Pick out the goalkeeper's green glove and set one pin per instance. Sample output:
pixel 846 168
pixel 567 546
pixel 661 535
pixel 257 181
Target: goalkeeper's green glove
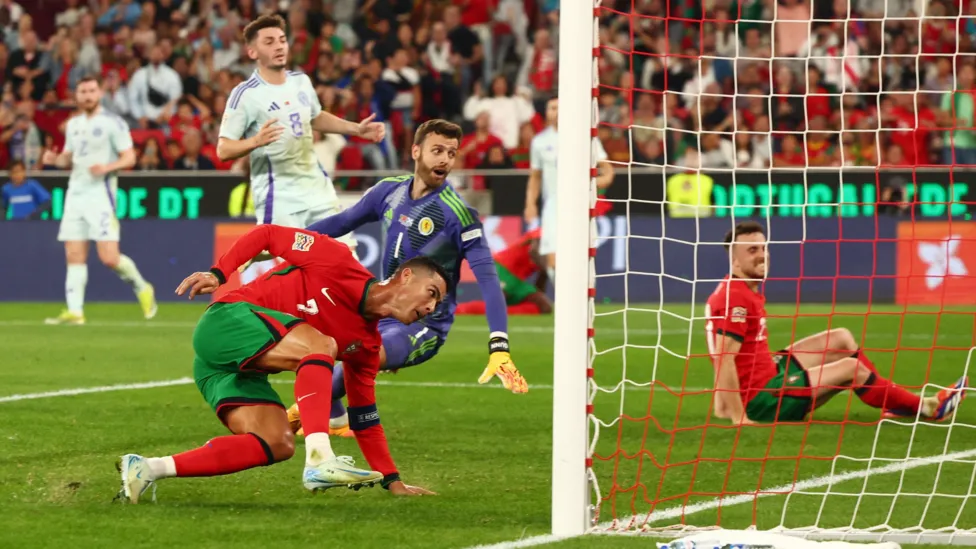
pixel 500 364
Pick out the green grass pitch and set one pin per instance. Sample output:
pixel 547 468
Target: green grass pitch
pixel 484 450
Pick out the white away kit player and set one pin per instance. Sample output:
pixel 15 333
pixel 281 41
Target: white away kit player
pixel 271 117
pixel 97 145
pixel 543 160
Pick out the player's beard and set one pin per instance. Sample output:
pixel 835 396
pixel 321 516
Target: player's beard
pixel 430 178
pixel 89 107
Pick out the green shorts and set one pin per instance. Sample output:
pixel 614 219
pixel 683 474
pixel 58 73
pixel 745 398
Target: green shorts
pixel 227 340
pixel 786 397
pixel 515 289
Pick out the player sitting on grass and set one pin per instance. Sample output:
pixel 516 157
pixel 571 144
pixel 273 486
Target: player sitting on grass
pixel 321 306
pixel 516 264
pixel 754 385
pixel 422 214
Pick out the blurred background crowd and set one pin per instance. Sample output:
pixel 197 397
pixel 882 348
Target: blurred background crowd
pixel 715 84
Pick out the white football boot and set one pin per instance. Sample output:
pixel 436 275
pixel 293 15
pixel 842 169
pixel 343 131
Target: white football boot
pixel 137 477
pixel 337 472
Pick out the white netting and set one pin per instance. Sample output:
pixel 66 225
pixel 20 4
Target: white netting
pixel 832 123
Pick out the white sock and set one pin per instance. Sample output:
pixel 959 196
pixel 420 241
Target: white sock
pixel 164 467
pixel 317 449
pixel 74 287
pixel 127 271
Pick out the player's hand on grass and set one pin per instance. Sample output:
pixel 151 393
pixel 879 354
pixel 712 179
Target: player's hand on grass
pixel 98 170
pixel 374 131
pixel 500 364
pixel 398 488
pixel 269 133
pixel 198 284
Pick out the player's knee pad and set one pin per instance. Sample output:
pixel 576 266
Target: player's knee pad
pixel 363 417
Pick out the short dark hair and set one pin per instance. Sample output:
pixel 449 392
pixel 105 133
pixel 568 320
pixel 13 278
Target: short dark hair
pixel 264 22
pixel 17 164
pixel 742 228
pixel 437 126
pixel 89 78
pixel 425 263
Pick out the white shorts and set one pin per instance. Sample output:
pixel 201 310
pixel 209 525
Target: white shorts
pixel 303 219
pixel 547 241
pixel 89 219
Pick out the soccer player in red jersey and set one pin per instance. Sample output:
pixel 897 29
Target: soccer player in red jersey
pixel 320 306
pixel 515 265
pixel 754 385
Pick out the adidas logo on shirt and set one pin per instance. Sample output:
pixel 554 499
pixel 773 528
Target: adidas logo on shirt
pixel 274 107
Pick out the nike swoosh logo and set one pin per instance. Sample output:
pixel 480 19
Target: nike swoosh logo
pixel 325 292
pixel 301 398
pixel 352 472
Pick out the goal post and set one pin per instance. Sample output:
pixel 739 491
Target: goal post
pixel 573 301
pixel 863 238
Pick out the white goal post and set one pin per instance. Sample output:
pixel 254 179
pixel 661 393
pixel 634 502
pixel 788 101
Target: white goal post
pixel 574 269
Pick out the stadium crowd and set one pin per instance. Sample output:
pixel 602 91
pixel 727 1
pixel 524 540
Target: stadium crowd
pixel 711 84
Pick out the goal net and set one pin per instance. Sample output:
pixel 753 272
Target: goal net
pixel 844 127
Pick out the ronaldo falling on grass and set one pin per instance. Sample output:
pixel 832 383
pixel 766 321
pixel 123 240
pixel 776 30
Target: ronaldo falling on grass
pixel 322 305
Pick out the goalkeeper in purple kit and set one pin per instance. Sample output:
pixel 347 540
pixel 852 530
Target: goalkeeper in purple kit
pixel 422 214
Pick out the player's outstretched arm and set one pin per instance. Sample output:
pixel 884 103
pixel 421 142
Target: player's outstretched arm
pixel 500 363
pixel 728 403
pixel 367 210
pixel 367 129
pixel 292 245
pixel 364 420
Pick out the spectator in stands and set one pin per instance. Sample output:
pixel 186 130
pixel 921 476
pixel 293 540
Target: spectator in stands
pixel 508 112
pixel 64 70
pixel 22 138
pixel 464 43
pixel 115 98
pixel 121 13
pixel 17 30
pixel 960 144
pixel 23 198
pixel 4 58
pixel 191 158
pixel 521 154
pixel 405 81
pixel 14 9
pixel 154 90
pixel 83 36
pixel 71 15
pixel 445 66
pixel 538 70
pixel 716 153
pixel 28 65
pixel 151 158
pixel 792 26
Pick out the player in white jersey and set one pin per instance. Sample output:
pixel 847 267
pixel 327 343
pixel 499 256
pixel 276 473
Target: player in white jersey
pixel 97 145
pixel 543 159
pixel 271 117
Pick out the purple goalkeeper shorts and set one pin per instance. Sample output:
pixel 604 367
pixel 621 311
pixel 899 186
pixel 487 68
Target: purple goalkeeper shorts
pixel 409 345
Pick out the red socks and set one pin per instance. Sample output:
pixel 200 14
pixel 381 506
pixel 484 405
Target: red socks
pixel 470 308
pixel 478 308
pixel 313 392
pixel 223 456
pixel 863 359
pixel 879 392
pixel 524 309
